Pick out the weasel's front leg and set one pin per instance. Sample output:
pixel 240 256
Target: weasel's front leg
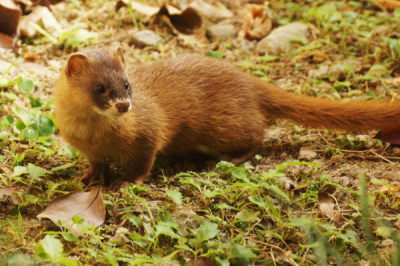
pixel 136 172
pixel 95 171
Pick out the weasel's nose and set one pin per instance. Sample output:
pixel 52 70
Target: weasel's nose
pixel 123 107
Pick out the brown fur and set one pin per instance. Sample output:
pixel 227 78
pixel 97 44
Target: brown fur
pixel 191 104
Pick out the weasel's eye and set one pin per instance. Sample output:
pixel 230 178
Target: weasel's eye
pixel 100 89
pixel 126 86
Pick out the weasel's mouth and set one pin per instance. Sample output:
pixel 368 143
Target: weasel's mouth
pixel 116 109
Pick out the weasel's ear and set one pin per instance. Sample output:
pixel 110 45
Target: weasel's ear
pixel 120 55
pixel 75 63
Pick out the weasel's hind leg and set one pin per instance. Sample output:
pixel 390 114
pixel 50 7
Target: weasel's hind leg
pixel 240 157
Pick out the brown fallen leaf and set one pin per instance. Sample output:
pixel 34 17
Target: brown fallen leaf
pixel 389 4
pixel 87 205
pixel 385 189
pixel 186 24
pixel 10 14
pixel 258 23
pixel 9 191
pixel 327 205
pixel 201 261
pixel 7 170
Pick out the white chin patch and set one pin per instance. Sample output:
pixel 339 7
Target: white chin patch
pixel 118 108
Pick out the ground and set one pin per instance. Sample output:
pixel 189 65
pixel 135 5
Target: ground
pixel 310 195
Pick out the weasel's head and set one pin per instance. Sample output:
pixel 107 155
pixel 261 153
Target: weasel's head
pixel 98 78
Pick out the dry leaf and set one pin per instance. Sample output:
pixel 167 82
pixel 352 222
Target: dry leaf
pixel 211 12
pixel 8 170
pixel 201 261
pixel 385 189
pixel 389 4
pixel 327 205
pixel 185 24
pixel 10 192
pixel 9 17
pixel 40 15
pixel 258 24
pixel 87 205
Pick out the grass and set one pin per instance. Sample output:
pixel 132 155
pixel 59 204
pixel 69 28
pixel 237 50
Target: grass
pixel 263 212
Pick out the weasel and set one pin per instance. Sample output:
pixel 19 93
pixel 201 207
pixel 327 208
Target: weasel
pixel 184 105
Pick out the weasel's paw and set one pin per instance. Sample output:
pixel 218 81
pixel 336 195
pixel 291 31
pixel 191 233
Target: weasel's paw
pixel 89 178
pixel 120 183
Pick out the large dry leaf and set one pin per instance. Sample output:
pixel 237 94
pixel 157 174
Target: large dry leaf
pixel 87 205
pixel 327 207
pixel 258 24
pixel 9 17
pixel 40 15
pixel 10 192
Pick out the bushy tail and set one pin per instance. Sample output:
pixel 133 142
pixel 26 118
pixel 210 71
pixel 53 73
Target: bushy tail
pixel 351 115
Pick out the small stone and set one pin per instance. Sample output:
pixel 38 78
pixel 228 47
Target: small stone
pixel 318 73
pixel 4 66
pixel 306 153
pixel 245 45
pixel 146 38
pixel 278 41
pixel 387 243
pixel 119 239
pixel 338 71
pixel 382 30
pixel 221 31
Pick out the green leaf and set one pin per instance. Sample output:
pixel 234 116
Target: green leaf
pixel 26 86
pixel 133 219
pixel 238 251
pixel 35 102
pixel 277 191
pixel 30 134
pixel 267 58
pixel 247 215
pixel 259 201
pixel 20 125
pixel 69 237
pixel 25 117
pixel 298 222
pixel 20 170
pixel 35 171
pixel 50 248
pixel 216 54
pixel 10 95
pixel 223 205
pixel 62 167
pixel 176 196
pixel 225 166
pixel 168 220
pixel 207 231
pixel 163 229
pixel 43 125
pixel 111 258
pixel 7 120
